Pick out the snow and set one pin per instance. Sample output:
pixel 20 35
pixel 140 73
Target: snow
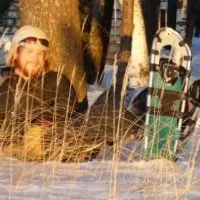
pixel 106 177
pixel 93 180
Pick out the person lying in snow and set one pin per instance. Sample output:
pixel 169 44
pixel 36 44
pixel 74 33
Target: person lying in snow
pixel 30 93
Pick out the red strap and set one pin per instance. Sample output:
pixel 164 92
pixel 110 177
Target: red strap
pixel 43 122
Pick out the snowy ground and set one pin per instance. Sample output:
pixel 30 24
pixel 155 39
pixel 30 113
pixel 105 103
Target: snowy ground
pixel 104 179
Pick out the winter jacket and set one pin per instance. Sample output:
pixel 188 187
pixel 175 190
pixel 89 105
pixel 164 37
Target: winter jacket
pixel 46 98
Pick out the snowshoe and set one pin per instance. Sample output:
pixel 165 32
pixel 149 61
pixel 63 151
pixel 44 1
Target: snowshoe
pixel 166 99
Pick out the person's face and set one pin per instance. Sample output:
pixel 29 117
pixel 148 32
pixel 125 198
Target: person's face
pixel 29 61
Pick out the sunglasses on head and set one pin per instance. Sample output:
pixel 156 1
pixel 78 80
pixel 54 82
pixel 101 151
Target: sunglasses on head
pixel 33 40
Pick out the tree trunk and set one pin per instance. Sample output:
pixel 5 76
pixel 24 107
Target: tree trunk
pixel 96 18
pixel 181 17
pixel 163 13
pixel 106 22
pixel 92 43
pixel 138 67
pixel 191 18
pixel 172 10
pixel 190 27
pixel 61 22
pixel 150 13
pixel 125 45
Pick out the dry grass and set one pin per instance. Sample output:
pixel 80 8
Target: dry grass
pixel 106 133
pixel 110 132
pixel 72 139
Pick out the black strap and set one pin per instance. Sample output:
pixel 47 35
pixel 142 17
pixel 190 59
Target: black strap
pixel 167 99
pixel 155 52
pixel 157 68
pixel 173 95
pixel 187 58
pixel 165 112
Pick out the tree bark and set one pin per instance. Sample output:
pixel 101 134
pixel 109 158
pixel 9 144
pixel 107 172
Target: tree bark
pixel 125 45
pixel 61 22
pixel 150 12
pixel 172 10
pixel 96 18
pixel 191 17
pixel 138 68
pixel 92 44
pixel 106 22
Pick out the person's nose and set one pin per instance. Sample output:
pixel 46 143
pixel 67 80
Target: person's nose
pixel 34 57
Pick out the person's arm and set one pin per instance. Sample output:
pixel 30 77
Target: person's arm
pixel 6 99
pixel 66 103
pixel 62 103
